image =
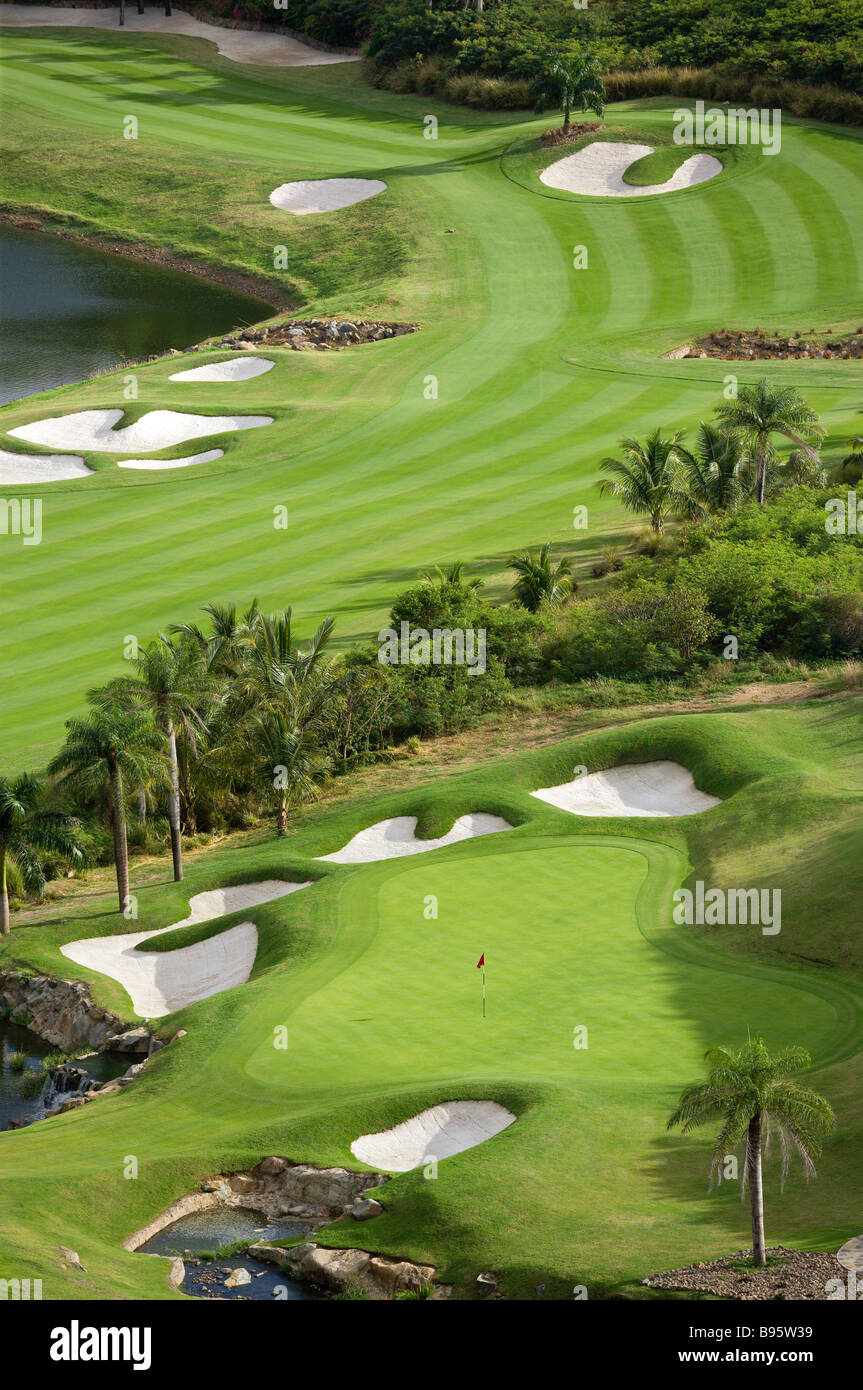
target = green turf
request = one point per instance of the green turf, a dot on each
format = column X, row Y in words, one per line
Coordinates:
column 382, row 1007
column 540, row 368
column 656, row 167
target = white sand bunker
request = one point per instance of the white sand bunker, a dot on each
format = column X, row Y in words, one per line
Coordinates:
column 323, row 195
column 154, row 464
column 390, row 839
column 637, row 789
column 234, row 369
column 598, row 170
column 437, row 1133
column 40, row 468
column 159, row 983
column 95, row 430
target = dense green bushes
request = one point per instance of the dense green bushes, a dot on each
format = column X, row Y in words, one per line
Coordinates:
column 803, row 55
column 342, row 23
column 824, row 103
column 770, row 577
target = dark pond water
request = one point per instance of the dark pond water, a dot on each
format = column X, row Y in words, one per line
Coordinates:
column 14, row 1103
column 220, row 1226
column 67, row 311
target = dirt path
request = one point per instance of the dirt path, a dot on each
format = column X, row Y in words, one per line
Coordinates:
column 240, row 45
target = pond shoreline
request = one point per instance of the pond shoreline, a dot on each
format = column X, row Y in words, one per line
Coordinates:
column 37, row 220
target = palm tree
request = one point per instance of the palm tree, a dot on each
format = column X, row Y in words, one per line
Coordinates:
column 169, row 684
column 763, row 410
column 444, row 575
column 111, row 749
column 540, row 584
column 570, row 81
column 28, row 830
column 649, row 478
column 223, row 646
column 288, row 758
column 713, row 471
column 280, row 706
column 751, row 1093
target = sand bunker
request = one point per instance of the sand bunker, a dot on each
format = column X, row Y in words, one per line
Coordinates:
column 159, row 429
column 159, row 983
column 240, row 45
column 40, row 468
column 234, row 369
column 598, row 170
column 186, row 462
column 437, row 1133
column 390, row 839
column 323, row 195
column 638, row 789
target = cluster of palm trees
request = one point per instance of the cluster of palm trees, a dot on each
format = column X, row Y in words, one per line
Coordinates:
column 731, row 459
column 236, row 706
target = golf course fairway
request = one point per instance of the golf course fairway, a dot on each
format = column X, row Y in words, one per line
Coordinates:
column 543, row 320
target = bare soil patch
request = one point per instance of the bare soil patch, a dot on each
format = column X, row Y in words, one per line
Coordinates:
column 742, row 346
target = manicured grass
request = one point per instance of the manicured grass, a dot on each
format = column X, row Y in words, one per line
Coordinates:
column 382, row 1007
column 540, row 369
column 657, row 167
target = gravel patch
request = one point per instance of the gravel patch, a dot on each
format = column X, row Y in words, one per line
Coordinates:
column 797, row 1274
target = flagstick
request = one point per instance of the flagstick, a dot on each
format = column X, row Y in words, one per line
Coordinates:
column 483, row 991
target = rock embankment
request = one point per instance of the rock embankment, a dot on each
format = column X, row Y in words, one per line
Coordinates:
column 58, row 1011
column 277, row 1187
column 382, row 1276
column 733, row 346
column 321, row 334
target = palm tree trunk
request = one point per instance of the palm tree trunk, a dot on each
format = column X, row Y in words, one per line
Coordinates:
column 566, row 121
column 142, row 806
column 756, row 1194
column 282, row 821
column 4, row 896
column 118, row 825
column 174, row 805
column 761, row 473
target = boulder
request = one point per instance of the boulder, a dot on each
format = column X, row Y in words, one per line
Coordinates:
column 269, row 1166
column 397, row 1276
column 334, row 1268
column 364, row 1209
column 237, row 1278
column 133, row 1040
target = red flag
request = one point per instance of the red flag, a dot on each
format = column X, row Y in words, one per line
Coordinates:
column 481, row 962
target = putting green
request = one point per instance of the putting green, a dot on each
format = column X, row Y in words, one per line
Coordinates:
column 538, row 368
column 382, row 1006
